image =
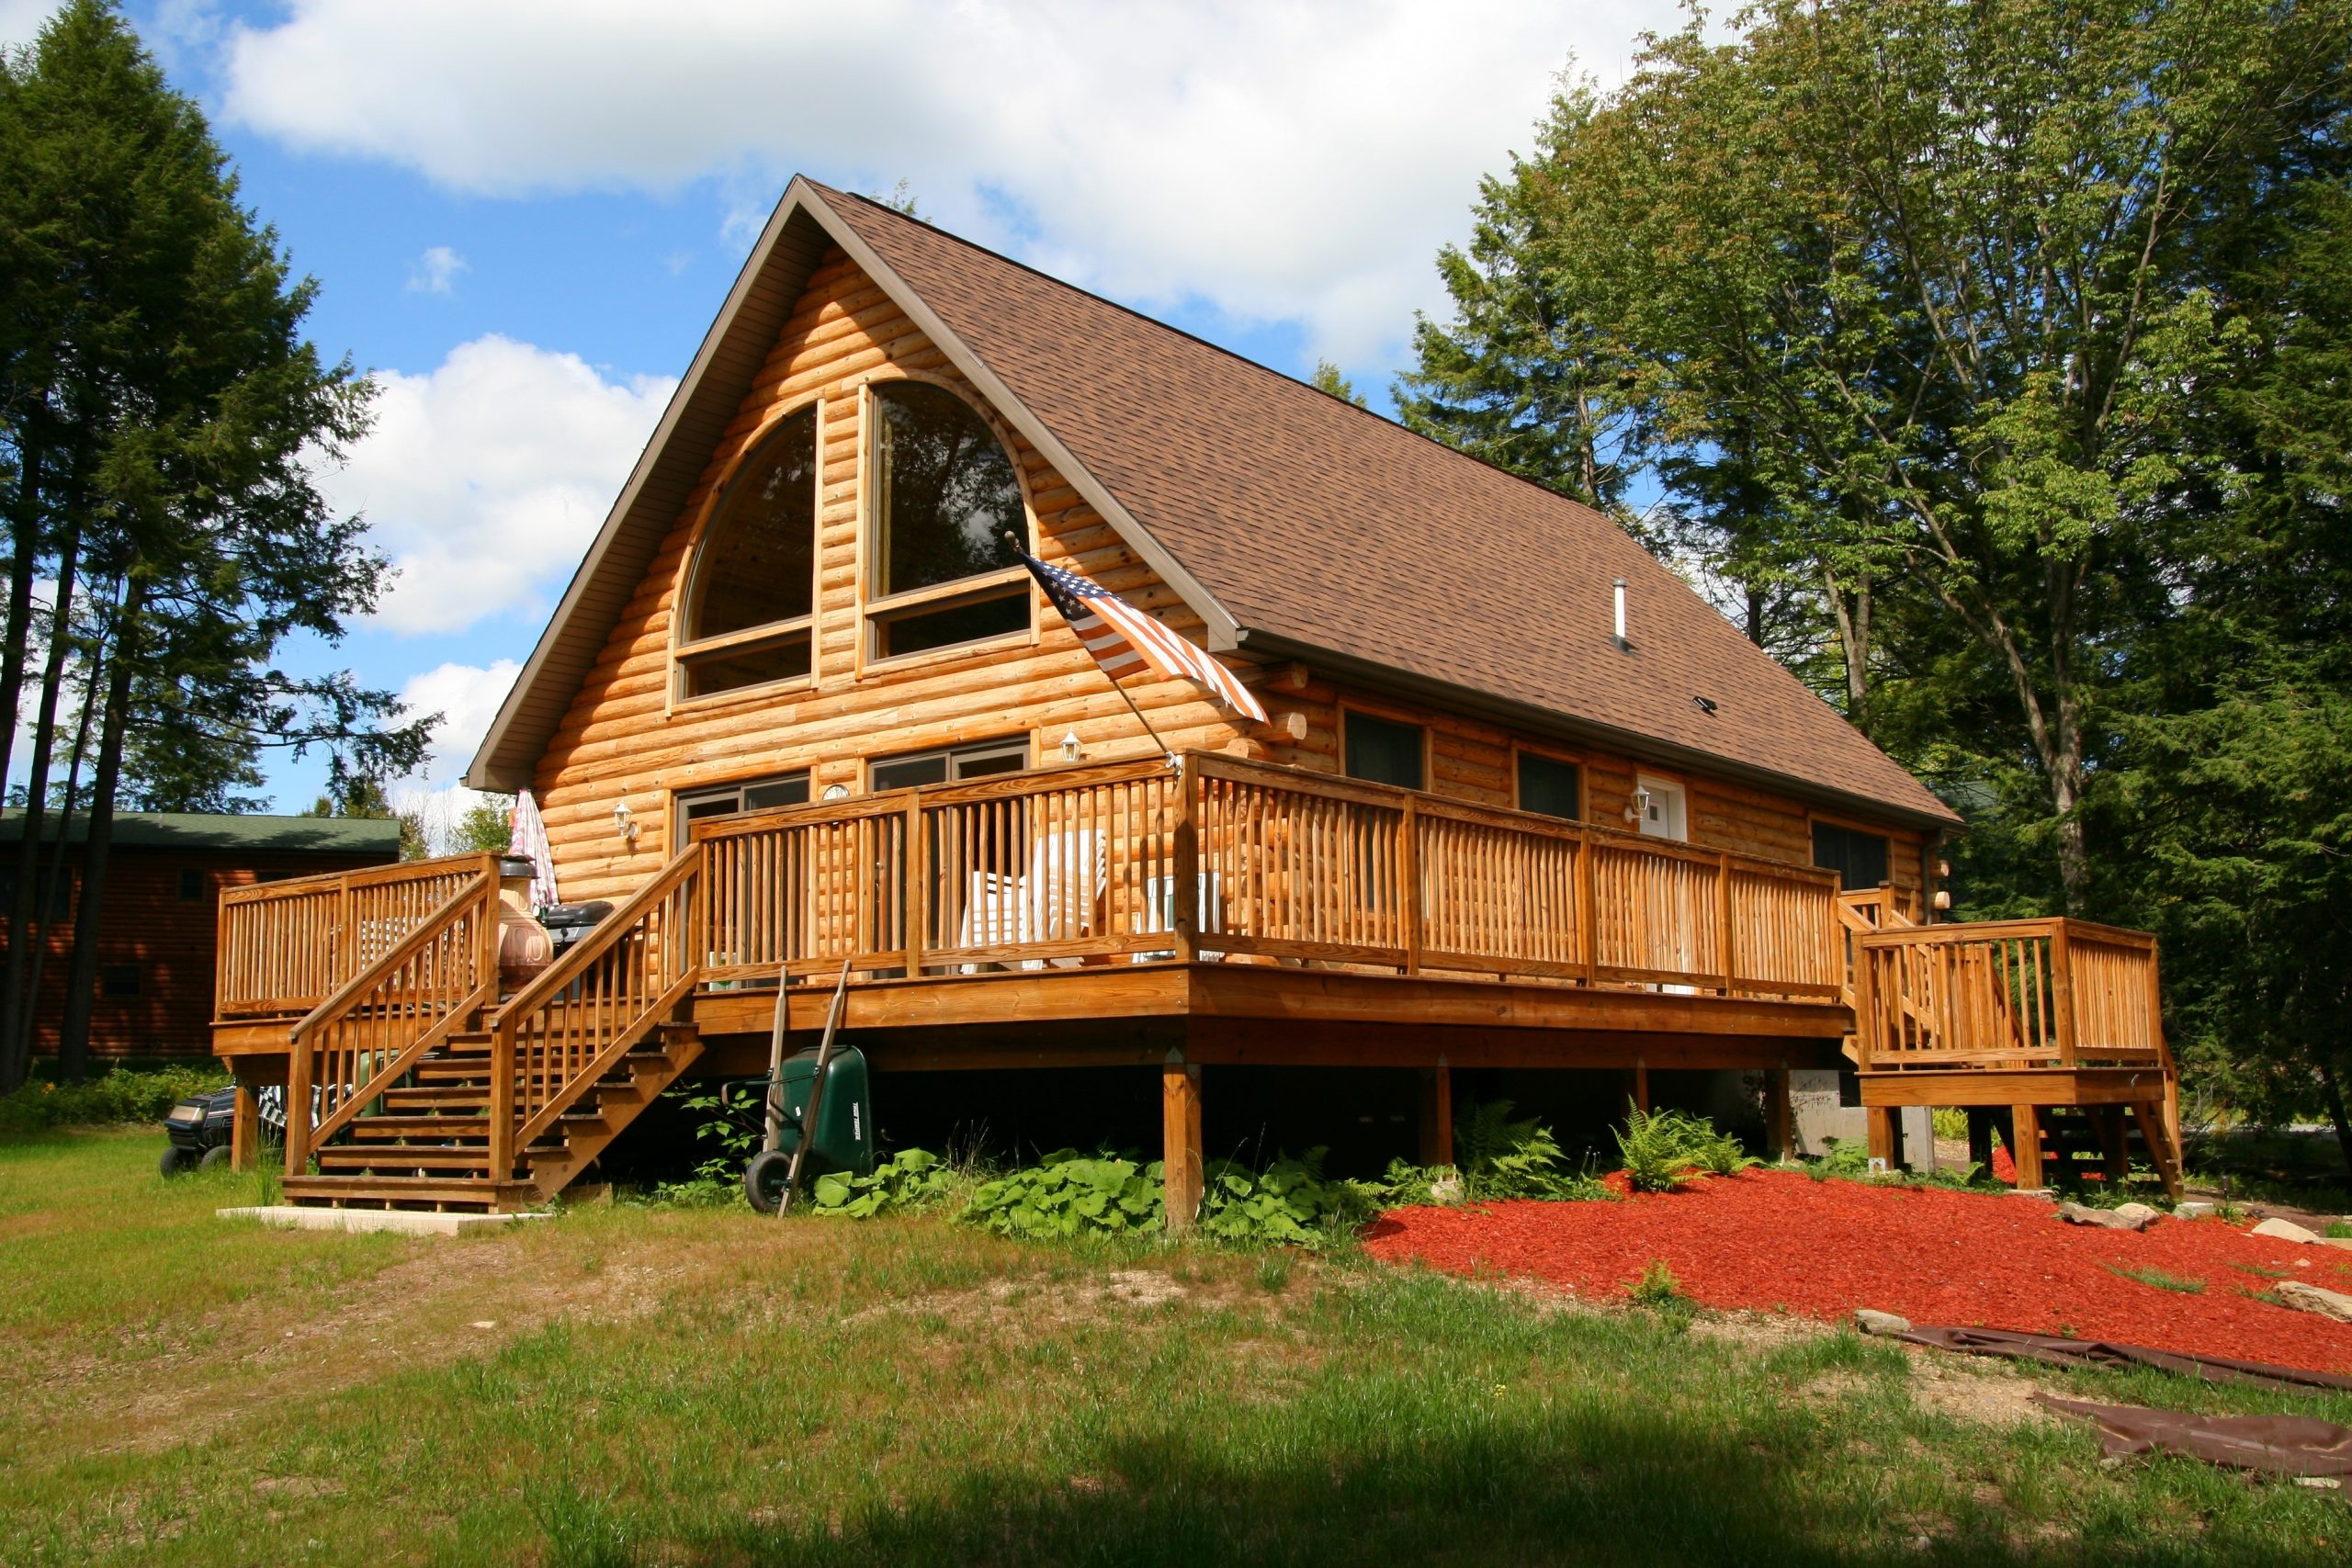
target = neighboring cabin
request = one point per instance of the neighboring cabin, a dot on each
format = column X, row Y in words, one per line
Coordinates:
column 165, row 877
column 803, row 592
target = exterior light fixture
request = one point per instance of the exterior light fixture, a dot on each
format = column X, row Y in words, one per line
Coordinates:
column 1071, row 750
column 1641, row 806
column 836, row 792
column 624, row 823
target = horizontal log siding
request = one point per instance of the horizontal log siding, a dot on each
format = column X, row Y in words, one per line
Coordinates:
column 621, row 741
column 1471, row 760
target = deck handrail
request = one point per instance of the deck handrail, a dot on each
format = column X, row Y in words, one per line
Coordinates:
column 363, row 1037
column 1215, row 856
column 580, row 1016
column 2053, row 992
column 284, row 947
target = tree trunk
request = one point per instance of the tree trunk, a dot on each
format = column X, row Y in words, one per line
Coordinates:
column 60, row 858
column 1853, row 618
column 17, row 1001
column 25, row 530
column 2334, row 1086
column 82, row 976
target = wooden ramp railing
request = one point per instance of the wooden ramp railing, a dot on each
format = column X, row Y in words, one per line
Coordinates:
column 1226, row 860
column 570, row 1027
column 363, row 1037
column 285, row 946
column 2011, row 994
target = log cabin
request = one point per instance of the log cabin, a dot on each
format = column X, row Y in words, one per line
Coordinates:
column 159, row 919
column 1522, row 801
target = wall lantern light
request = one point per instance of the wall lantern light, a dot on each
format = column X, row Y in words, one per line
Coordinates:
column 624, row 823
column 1640, row 809
column 1071, row 750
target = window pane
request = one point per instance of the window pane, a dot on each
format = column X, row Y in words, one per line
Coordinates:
column 793, row 791
column 1858, row 859
column 908, row 772
column 786, row 660
column 119, row 980
column 192, row 885
column 1548, row 786
column 962, row 623
column 946, row 493
column 758, row 558
column 1384, row 752
column 980, row 766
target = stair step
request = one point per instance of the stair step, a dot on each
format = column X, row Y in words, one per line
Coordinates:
column 421, row 1127
column 479, row 1193
column 400, row 1157
column 449, row 1099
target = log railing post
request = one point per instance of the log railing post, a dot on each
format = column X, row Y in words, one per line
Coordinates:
column 1723, row 920
column 915, row 908
column 1587, row 910
column 298, row 1106
column 1408, row 888
column 501, row 1103
column 2062, row 988
column 1185, row 868
column 1182, row 1166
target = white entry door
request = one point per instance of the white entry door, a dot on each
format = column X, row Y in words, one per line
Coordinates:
column 1665, row 815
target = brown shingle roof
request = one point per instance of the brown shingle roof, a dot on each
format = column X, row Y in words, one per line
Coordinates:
column 1321, row 526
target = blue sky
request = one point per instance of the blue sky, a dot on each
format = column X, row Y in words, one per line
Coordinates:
column 523, row 217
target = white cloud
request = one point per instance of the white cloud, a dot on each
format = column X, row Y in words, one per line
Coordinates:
column 20, row 20
column 485, row 479
column 467, row 697
column 1282, row 161
column 435, row 270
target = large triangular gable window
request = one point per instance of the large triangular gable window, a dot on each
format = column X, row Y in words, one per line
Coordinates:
column 939, row 571
column 747, row 617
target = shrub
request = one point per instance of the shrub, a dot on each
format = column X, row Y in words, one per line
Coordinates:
column 1663, row 1148
column 911, row 1178
column 113, row 1098
column 1071, row 1194
column 1657, row 1287
column 1498, row 1157
column 1289, row 1203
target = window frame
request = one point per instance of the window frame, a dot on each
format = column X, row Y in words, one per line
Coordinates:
column 1815, row 822
column 1558, row 759
column 681, row 831
column 684, row 651
column 1679, row 790
column 875, row 611
column 1350, row 709
column 962, row 750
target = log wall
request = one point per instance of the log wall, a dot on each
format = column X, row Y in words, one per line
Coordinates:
column 627, row 739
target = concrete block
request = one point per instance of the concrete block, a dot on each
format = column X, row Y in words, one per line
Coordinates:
column 398, row 1221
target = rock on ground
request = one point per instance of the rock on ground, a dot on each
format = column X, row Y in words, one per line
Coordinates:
column 2311, row 1297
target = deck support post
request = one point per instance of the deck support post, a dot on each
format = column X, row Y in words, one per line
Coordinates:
column 1780, row 1123
column 245, row 1130
column 1980, row 1136
column 1886, row 1135
column 1179, row 1127
column 1639, row 1087
column 2025, row 1149
column 1437, row 1114
column 2109, row 1121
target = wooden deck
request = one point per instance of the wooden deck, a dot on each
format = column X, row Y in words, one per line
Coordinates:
column 1139, row 914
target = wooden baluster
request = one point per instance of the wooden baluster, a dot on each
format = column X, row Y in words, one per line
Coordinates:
column 1723, row 920
column 915, row 853
column 1588, row 934
column 1409, row 885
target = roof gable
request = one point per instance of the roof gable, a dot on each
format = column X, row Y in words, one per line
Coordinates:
column 1241, row 488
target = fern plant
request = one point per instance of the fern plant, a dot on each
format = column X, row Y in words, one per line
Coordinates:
column 1656, row 1148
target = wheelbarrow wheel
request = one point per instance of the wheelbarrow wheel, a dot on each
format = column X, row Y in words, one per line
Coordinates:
column 764, row 1179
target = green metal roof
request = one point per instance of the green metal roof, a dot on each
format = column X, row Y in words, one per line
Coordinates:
column 370, row 838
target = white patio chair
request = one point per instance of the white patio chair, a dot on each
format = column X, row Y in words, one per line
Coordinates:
column 1057, row 900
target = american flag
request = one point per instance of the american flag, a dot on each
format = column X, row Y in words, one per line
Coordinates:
column 1123, row 639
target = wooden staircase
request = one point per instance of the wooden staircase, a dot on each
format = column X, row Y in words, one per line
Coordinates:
column 431, row 1097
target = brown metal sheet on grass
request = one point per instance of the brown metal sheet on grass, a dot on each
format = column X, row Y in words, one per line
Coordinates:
column 2056, row 1352
column 2275, row 1445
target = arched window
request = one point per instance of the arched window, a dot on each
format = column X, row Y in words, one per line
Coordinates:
column 746, row 617
column 944, row 497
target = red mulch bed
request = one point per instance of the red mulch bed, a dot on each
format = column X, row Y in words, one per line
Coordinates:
column 1780, row 1241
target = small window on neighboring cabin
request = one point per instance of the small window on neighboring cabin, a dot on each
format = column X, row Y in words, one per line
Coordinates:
column 945, row 495
column 119, row 980
column 1550, row 786
column 746, row 616
column 1858, row 859
column 1383, row 750
column 192, row 888
column 949, row 765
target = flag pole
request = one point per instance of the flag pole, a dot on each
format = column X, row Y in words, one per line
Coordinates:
column 1165, row 750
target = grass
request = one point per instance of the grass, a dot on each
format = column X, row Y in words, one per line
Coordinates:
column 635, row 1386
column 2161, row 1279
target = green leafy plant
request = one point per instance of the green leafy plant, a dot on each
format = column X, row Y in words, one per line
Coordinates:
column 1068, row 1194
column 911, row 1178
column 1288, row 1202
column 1662, row 1149
column 110, row 1099
column 735, row 1123
column 1657, row 1287
column 2339, row 1230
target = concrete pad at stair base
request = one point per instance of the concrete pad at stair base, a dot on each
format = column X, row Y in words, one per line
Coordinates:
column 400, row 1222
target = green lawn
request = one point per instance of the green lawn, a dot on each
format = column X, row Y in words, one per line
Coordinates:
column 628, row 1386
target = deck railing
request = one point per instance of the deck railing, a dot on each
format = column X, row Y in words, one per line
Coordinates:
column 1137, row 862
column 285, row 946
column 2023, row 994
